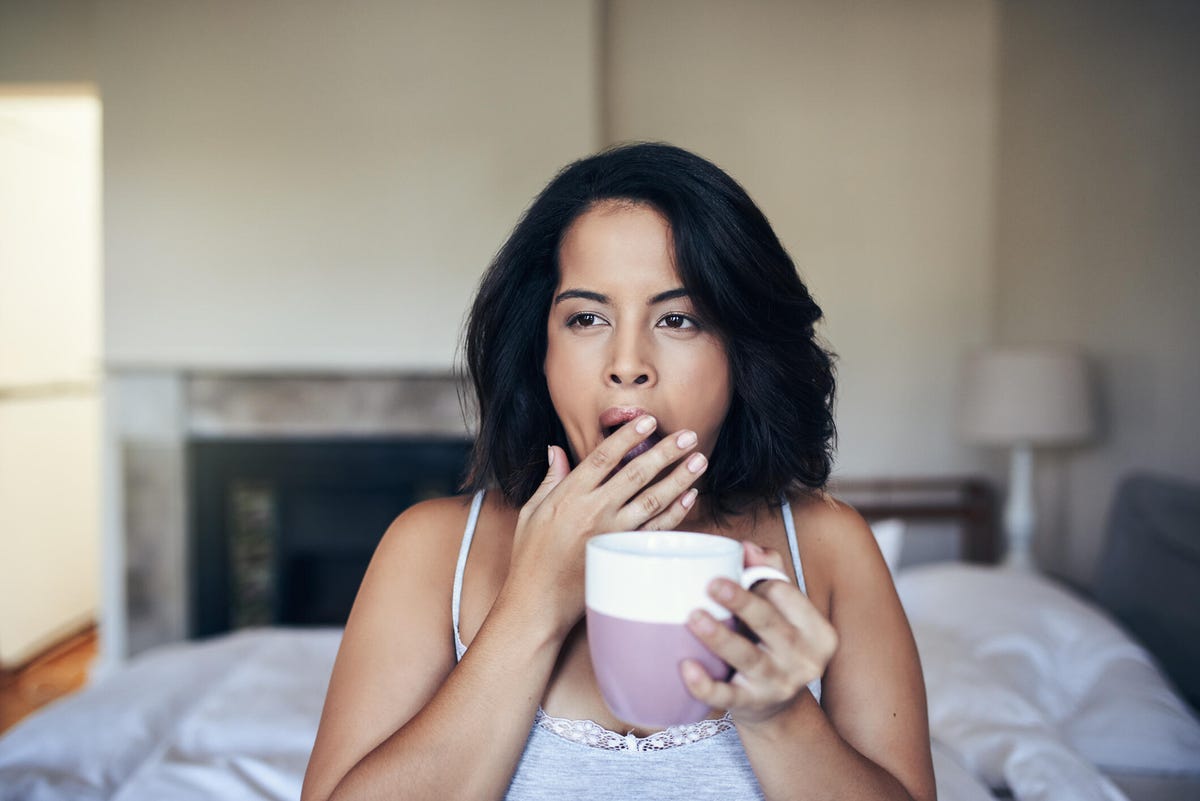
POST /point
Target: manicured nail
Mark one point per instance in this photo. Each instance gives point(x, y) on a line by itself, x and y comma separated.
point(646, 425)
point(702, 623)
point(697, 463)
point(550, 455)
point(722, 590)
point(689, 498)
point(686, 439)
point(692, 672)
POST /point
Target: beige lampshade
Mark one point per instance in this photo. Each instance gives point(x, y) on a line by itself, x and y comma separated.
point(1037, 396)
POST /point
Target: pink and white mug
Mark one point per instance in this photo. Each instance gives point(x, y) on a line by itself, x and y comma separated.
point(640, 588)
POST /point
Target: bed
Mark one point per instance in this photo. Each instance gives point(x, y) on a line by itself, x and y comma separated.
point(1036, 692)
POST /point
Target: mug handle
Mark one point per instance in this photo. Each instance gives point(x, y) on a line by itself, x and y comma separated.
point(753, 575)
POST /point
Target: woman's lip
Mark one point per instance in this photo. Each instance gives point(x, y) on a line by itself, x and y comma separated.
point(619, 415)
point(640, 448)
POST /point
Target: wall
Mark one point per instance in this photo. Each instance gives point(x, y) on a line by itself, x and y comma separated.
point(866, 132)
point(1098, 230)
point(308, 185)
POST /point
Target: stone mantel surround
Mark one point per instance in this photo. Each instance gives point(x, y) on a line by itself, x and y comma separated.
point(150, 415)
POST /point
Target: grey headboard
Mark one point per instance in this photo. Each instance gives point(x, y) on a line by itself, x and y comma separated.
point(1149, 574)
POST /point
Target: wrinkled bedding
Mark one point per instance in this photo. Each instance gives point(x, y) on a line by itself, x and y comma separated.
point(1029, 689)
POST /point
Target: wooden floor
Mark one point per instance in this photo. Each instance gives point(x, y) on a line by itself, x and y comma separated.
point(59, 671)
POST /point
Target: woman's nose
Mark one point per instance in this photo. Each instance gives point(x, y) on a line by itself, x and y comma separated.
point(629, 365)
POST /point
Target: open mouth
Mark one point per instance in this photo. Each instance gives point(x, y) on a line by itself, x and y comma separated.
point(613, 419)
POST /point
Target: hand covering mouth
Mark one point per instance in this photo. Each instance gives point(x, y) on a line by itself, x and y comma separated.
point(614, 418)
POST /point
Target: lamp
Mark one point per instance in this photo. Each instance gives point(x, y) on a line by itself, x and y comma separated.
point(1022, 398)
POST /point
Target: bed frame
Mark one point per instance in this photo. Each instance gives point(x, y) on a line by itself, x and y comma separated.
point(967, 503)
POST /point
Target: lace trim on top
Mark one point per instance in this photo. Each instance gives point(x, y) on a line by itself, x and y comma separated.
point(593, 735)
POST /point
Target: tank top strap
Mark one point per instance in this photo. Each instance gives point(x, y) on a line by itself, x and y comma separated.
point(785, 509)
point(461, 568)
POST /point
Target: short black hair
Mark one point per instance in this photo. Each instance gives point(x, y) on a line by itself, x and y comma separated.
point(779, 433)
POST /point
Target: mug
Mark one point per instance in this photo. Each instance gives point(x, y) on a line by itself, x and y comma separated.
point(640, 587)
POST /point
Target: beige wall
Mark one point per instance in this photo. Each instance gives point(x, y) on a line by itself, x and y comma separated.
point(1098, 231)
point(320, 185)
point(47, 40)
point(866, 131)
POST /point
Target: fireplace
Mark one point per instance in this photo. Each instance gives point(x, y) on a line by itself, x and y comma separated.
point(245, 499)
point(281, 530)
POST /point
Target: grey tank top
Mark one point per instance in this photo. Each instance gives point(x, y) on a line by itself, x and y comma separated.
point(581, 759)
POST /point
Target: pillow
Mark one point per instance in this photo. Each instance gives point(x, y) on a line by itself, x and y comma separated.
point(889, 535)
point(1150, 570)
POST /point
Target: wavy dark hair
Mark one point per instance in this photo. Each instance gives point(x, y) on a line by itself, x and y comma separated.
point(779, 433)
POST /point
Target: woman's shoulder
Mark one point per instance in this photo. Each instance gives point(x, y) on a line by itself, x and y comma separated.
point(428, 530)
point(832, 533)
point(438, 525)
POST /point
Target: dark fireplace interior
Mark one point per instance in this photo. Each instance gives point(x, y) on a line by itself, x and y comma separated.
point(281, 531)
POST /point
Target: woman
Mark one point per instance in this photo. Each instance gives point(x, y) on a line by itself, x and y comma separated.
point(643, 356)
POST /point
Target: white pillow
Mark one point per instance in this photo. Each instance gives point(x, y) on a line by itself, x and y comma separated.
point(889, 534)
point(1066, 657)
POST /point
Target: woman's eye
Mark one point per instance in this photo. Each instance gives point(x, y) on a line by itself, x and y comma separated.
point(583, 320)
point(677, 321)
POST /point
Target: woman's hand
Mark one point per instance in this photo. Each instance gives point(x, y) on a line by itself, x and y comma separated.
point(546, 567)
point(795, 644)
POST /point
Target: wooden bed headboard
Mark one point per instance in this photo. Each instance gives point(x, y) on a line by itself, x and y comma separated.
point(967, 503)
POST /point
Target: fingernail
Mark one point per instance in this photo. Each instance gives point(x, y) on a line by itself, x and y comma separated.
point(701, 622)
point(755, 548)
point(550, 455)
point(722, 590)
point(697, 463)
point(686, 439)
point(689, 498)
point(646, 425)
point(691, 671)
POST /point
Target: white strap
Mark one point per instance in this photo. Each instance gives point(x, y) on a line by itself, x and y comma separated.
point(461, 568)
point(790, 525)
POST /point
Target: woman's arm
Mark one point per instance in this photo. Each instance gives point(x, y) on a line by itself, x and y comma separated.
point(399, 720)
point(869, 736)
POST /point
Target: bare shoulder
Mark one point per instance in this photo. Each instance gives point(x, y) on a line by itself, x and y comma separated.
point(428, 532)
point(837, 540)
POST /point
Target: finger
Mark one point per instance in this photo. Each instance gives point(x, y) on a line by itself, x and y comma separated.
point(703, 687)
point(670, 519)
point(607, 456)
point(637, 475)
point(783, 618)
point(657, 498)
point(759, 613)
point(732, 648)
point(556, 470)
point(756, 555)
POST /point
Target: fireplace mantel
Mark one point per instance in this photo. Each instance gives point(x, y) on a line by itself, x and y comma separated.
point(153, 415)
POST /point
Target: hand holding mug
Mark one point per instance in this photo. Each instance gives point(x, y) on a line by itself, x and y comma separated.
point(795, 645)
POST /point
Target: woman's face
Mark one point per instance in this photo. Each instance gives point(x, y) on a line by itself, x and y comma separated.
point(623, 336)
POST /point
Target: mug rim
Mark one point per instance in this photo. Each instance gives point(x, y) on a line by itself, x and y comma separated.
point(714, 545)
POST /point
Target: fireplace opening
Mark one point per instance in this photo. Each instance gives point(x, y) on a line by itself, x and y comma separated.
point(281, 530)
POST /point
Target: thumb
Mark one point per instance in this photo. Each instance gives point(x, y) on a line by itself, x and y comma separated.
point(556, 471)
point(756, 555)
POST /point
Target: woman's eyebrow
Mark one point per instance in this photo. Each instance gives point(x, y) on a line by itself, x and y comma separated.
point(587, 294)
point(670, 294)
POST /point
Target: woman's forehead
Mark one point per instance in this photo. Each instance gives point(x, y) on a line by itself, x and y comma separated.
point(618, 243)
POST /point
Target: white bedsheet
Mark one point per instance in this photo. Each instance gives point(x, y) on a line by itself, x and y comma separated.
point(1023, 683)
point(230, 718)
point(1034, 690)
